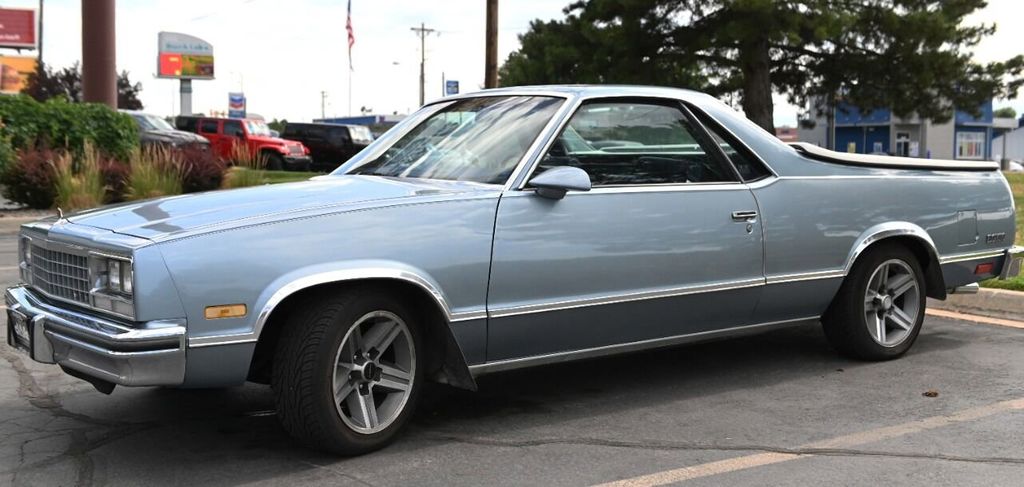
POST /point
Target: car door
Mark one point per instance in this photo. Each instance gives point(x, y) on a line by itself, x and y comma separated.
point(210, 128)
point(666, 244)
point(234, 136)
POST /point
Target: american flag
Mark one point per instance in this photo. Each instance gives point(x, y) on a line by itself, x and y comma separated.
point(351, 34)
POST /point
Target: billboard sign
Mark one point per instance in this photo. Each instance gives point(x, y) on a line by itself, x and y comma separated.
point(451, 87)
point(236, 105)
point(18, 28)
point(14, 71)
point(182, 56)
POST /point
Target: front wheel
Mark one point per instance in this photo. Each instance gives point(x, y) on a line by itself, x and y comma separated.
point(880, 307)
point(275, 162)
point(348, 371)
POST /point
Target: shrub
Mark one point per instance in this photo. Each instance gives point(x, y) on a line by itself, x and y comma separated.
point(155, 171)
point(60, 124)
point(29, 179)
point(78, 185)
point(115, 178)
point(201, 169)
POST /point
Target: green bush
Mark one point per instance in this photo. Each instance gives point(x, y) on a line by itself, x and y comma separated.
point(60, 124)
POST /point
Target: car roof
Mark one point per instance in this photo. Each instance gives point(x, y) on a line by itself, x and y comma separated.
point(321, 124)
point(587, 91)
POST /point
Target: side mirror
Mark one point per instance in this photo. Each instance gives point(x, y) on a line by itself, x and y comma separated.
point(555, 182)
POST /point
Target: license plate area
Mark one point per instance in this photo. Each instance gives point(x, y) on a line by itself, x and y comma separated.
point(19, 331)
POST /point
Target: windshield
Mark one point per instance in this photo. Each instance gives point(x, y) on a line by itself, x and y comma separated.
point(475, 139)
point(258, 128)
point(151, 122)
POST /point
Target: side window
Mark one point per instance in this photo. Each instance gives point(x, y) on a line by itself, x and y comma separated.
point(339, 135)
point(750, 167)
point(633, 143)
point(315, 132)
point(292, 131)
point(233, 128)
point(208, 126)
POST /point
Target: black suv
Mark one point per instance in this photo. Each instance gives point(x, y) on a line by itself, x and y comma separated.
point(329, 144)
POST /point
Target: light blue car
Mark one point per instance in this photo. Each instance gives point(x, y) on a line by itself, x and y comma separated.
point(499, 230)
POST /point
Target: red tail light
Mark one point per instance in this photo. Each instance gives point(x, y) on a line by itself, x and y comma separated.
point(985, 268)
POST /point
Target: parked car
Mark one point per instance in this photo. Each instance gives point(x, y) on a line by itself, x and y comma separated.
point(329, 144)
point(514, 228)
point(154, 130)
point(1016, 166)
point(226, 134)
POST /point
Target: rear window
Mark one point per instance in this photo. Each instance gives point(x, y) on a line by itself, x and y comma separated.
point(361, 134)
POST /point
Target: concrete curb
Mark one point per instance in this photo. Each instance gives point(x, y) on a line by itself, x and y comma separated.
point(998, 303)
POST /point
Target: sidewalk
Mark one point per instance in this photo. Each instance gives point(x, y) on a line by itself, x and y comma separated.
point(997, 303)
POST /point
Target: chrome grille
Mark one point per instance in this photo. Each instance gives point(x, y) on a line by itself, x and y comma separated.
point(295, 149)
point(61, 274)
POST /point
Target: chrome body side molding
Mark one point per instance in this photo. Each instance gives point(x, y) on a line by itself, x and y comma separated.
point(518, 363)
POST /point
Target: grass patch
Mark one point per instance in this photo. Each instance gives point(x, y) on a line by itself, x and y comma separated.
point(1017, 185)
point(240, 177)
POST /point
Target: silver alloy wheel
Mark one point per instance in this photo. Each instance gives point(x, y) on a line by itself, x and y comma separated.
point(373, 372)
point(892, 302)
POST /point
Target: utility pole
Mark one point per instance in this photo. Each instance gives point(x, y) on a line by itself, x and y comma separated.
point(99, 63)
point(422, 30)
point(491, 46)
point(40, 40)
point(323, 98)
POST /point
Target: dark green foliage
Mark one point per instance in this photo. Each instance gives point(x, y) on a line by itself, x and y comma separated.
point(1005, 112)
point(58, 124)
point(913, 56)
point(45, 83)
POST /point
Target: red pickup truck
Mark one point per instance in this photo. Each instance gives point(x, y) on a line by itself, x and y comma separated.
point(225, 134)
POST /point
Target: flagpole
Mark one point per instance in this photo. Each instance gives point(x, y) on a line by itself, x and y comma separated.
point(350, 92)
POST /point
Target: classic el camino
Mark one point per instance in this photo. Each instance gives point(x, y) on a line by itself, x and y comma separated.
point(506, 229)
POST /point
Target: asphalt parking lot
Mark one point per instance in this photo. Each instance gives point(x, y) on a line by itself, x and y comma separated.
point(774, 409)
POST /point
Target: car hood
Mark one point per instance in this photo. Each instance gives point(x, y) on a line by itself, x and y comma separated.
point(172, 137)
point(165, 218)
point(272, 140)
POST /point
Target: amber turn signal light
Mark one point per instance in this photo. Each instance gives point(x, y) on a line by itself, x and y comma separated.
point(225, 311)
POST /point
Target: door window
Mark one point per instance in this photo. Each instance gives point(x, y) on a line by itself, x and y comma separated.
point(208, 126)
point(746, 163)
point(233, 128)
point(634, 143)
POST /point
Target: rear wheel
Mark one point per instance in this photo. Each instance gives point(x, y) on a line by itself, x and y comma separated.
point(879, 309)
point(347, 372)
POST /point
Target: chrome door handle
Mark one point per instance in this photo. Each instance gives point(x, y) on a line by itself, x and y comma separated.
point(744, 216)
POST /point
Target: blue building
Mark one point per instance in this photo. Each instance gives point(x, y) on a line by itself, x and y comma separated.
point(880, 132)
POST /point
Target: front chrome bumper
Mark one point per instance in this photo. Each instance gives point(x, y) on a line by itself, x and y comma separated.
point(146, 354)
point(1012, 262)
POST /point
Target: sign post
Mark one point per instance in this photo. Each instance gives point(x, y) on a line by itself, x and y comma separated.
point(184, 57)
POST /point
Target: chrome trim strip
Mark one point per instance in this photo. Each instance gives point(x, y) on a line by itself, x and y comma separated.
point(622, 298)
point(217, 340)
point(517, 363)
point(543, 139)
point(887, 230)
point(528, 166)
point(806, 276)
point(987, 254)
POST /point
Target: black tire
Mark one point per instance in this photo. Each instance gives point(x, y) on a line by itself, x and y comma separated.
point(846, 321)
point(275, 162)
point(304, 364)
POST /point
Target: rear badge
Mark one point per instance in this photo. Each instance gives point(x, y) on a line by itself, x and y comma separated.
point(995, 238)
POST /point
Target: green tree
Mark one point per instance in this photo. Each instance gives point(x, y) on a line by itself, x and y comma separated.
point(45, 83)
point(1005, 112)
point(913, 56)
point(278, 125)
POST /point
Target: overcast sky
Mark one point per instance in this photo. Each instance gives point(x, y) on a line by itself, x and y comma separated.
point(283, 54)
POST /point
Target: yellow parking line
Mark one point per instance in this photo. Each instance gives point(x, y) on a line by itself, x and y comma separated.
point(845, 441)
point(941, 313)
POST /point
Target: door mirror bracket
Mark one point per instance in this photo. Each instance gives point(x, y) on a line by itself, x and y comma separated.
point(556, 182)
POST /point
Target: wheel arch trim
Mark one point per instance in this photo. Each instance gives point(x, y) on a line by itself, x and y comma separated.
point(933, 271)
point(302, 279)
